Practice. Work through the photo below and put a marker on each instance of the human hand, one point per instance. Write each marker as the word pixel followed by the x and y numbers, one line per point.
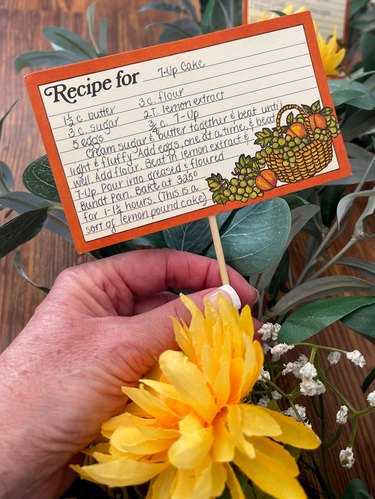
pixel 101 327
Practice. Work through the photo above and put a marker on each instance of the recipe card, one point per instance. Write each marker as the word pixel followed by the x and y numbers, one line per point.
pixel 328 15
pixel 165 135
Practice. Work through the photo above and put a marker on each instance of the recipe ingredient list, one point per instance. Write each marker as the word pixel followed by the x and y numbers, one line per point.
pixel 132 146
pixel 327 15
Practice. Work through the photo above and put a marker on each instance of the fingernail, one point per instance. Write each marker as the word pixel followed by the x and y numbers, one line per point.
pixel 257 295
pixel 226 290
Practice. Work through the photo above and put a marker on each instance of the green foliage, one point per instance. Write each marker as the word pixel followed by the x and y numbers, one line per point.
pixel 314 317
pixel 368 380
pixel 38 179
pixel 356 489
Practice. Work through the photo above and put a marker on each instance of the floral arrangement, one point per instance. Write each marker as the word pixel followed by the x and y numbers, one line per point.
pixel 295 302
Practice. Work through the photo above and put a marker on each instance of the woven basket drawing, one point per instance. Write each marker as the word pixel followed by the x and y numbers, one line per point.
pixel 310 160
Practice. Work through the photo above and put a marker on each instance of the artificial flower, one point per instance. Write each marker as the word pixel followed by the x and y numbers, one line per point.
pixel 346 457
pixel 356 357
pixel 188 422
pixel 371 398
pixel 332 55
pixel 342 415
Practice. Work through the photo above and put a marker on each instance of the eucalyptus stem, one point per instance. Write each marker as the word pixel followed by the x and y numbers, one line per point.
pixel 343 250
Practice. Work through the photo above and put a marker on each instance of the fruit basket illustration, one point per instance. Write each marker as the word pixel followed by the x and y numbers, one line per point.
pixel 294 151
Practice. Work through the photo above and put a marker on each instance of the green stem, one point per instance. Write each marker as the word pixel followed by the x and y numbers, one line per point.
pixel 323 449
pixel 353 433
pixel 334 439
pixel 337 392
pixel 343 250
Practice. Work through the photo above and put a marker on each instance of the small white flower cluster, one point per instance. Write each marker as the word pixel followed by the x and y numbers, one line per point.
pixel 300 416
pixel 356 357
pixel 304 370
pixel 264 375
pixel 342 415
pixel 371 398
pixel 264 401
pixel 269 333
pixel 333 358
pixel 347 457
pixel 279 350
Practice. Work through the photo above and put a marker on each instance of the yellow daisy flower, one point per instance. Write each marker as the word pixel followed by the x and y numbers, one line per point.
pixel 187 421
pixel 331 53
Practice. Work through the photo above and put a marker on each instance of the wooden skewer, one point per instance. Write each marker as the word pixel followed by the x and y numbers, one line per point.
pixel 218 249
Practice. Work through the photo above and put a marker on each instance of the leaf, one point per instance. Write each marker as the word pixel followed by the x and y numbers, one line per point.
pixel 312 318
pixel 330 196
pixel 193 237
pixel 171 7
pixel 90 16
pixel 70 41
pixel 20 269
pixel 356 489
pixel 362 321
pixel 45 58
pixel 56 222
pixel 347 201
pixel 280 276
pixel 221 14
pixel 256 236
pixel 359 228
pixel 21 229
pixel 6 178
pixel 342 96
pixel 22 201
pixel 356 5
pixel 103 37
pixel 39 180
pixel 359 123
pixel 179 30
pixel 294 201
pixel 191 9
pixel 319 288
pixel 300 216
pixel 154 240
pixel 2 119
pixel 363 266
pixel 352 92
pixel 264 137
pixel 368 51
pixel 368 380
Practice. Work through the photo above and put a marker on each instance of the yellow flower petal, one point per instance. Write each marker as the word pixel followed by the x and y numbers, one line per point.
pixel 268 477
pixel 209 481
pixel 222 445
pixel 133 439
pixel 193 446
pixel 256 422
pixel 189 382
pixel 183 486
pixel 151 404
pixel 161 486
pixel 234 486
pixel 124 419
pixel 120 473
pixel 235 430
pixel 294 432
pixel 276 454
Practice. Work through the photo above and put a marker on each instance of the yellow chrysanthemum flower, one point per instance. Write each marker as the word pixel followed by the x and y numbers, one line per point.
pixel 332 55
pixel 186 423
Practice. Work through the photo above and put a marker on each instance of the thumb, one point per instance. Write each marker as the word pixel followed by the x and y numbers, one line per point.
pixel 154 329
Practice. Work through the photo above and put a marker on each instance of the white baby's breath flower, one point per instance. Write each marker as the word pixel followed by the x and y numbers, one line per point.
pixel 371 398
pixel 281 348
pixel 275 331
pixel 334 357
pixel 342 415
pixel 266 331
pixel 295 367
pixel 311 388
pixel 292 413
pixel 264 401
pixel 264 375
pixel 356 357
pixel 308 371
pixel 346 457
pixel 276 395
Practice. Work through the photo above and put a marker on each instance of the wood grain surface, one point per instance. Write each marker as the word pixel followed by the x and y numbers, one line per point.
pixel 21 24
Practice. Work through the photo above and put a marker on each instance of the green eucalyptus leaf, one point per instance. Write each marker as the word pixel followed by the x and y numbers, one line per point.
pixel 21 270
pixel 346 202
pixel 256 236
pixel 22 201
pixel 191 9
pixel 70 41
pixel 356 489
pixel 356 5
pixel 368 51
pixel 179 30
pixel 221 14
pixel 56 222
pixel 21 229
pixel 314 317
pixel 90 16
pixel 193 237
pixel 154 240
pixel 171 7
pixel 103 37
pixel 363 266
pixel 3 118
pixel 38 179
pixel 300 216
pixel 319 288
pixel 294 201
pixel 359 228
pixel 360 123
pixel 280 276
pixel 45 58
pixel 368 380
pixel 6 178
pixel 358 167
pixel 362 321
pixel 330 196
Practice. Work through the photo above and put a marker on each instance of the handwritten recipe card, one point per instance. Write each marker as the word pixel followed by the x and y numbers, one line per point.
pixel 328 15
pixel 161 136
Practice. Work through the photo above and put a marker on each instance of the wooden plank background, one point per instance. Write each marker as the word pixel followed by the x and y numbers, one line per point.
pixel 21 23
